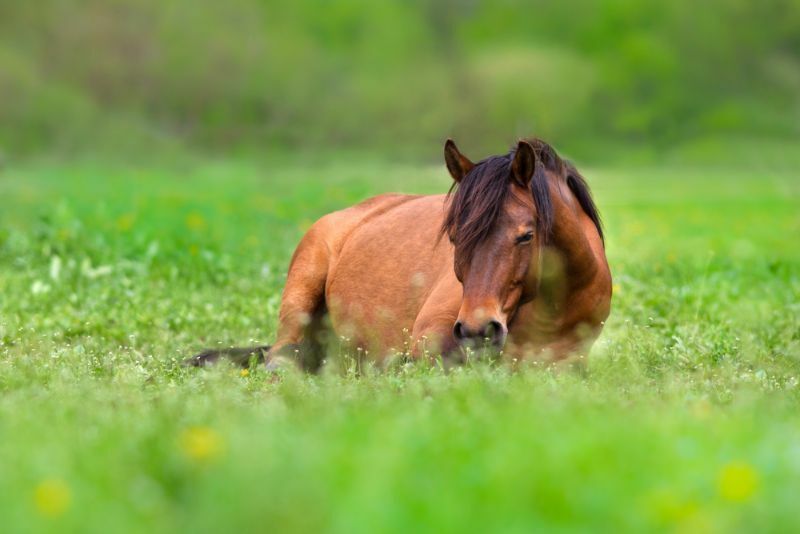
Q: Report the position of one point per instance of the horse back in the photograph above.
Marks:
(386, 255)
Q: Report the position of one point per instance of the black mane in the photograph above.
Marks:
(576, 183)
(476, 202)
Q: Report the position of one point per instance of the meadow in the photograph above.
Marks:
(687, 417)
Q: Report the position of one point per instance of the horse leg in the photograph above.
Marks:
(300, 318)
(432, 334)
(240, 356)
(303, 307)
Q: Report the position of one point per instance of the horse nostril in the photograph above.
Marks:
(458, 330)
(493, 329)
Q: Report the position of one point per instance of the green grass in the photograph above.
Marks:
(688, 417)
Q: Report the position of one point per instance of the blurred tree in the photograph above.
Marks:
(384, 75)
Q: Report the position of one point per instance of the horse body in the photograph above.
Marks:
(432, 274)
(392, 274)
(378, 270)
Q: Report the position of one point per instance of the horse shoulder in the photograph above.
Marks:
(332, 229)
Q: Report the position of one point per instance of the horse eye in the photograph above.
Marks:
(526, 238)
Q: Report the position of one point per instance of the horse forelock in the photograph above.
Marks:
(475, 204)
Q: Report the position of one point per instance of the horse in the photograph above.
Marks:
(511, 258)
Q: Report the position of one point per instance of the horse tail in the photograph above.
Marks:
(238, 355)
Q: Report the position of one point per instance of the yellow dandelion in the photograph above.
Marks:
(52, 497)
(195, 221)
(201, 444)
(737, 482)
(244, 373)
(670, 507)
(615, 288)
(125, 222)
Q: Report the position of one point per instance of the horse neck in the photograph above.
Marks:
(570, 238)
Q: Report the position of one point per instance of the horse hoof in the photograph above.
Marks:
(278, 364)
(201, 360)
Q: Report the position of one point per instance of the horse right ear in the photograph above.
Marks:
(524, 164)
(457, 163)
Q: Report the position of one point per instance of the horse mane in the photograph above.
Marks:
(575, 181)
(577, 184)
(477, 200)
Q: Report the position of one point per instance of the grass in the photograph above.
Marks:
(688, 417)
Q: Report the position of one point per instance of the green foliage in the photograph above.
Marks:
(395, 76)
(686, 418)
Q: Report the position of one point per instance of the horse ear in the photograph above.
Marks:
(524, 164)
(457, 163)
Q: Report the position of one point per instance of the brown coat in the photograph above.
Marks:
(394, 273)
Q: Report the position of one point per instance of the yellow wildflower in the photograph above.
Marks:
(125, 222)
(671, 507)
(195, 221)
(737, 482)
(201, 444)
(244, 373)
(52, 497)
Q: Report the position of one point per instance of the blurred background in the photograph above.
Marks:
(161, 159)
(599, 79)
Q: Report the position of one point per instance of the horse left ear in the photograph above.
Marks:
(457, 163)
(524, 164)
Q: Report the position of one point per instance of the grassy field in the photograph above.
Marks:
(687, 419)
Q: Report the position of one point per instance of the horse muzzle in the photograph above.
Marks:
(491, 333)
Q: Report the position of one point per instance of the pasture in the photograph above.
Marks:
(687, 417)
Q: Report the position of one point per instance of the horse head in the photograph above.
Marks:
(498, 214)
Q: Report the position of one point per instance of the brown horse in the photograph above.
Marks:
(512, 256)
